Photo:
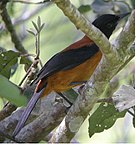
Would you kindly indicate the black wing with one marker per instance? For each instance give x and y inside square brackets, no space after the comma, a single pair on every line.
[66,60]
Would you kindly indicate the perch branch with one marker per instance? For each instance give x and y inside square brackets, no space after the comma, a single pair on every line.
[99,80]
[85,26]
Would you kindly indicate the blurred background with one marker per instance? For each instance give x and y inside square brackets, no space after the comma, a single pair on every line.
[57,34]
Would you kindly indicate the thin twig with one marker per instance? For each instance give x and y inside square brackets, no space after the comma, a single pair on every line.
[40,62]
[37,46]
[38,27]
[28,71]
[26,2]
[27,55]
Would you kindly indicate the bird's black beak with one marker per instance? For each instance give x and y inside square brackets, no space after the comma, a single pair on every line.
[121,16]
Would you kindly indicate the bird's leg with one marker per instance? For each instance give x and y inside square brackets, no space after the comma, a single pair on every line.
[81,89]
[65,98]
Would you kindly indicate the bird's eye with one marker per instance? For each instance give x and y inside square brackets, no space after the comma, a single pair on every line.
[109,25]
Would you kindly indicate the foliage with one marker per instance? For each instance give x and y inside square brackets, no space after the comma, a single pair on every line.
[84,8]
[57,28]
[8,62]
[11,92]
[103,118]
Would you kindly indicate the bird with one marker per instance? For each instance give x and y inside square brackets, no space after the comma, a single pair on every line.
[71,67]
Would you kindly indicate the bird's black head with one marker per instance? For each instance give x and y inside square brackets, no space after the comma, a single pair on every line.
[108,22]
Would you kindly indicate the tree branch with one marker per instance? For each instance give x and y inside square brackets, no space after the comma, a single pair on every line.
[7,110]
[84,25]
[45,117]
[124,40]
[42,125]
[10,27]
[99,80]
[8,23]
[91,92]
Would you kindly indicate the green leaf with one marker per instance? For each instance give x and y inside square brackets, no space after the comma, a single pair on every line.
[31,32]
[133,4]
[39,22]
[8,59]
[35,26]
[11,92]
[41,27]
[25,61]
[2,50]
[84,8]
[11,8]
[103,118]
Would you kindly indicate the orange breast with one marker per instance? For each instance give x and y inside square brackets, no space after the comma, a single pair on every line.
[60,81]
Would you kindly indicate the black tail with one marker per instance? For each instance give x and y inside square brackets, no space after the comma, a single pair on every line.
[26,112]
